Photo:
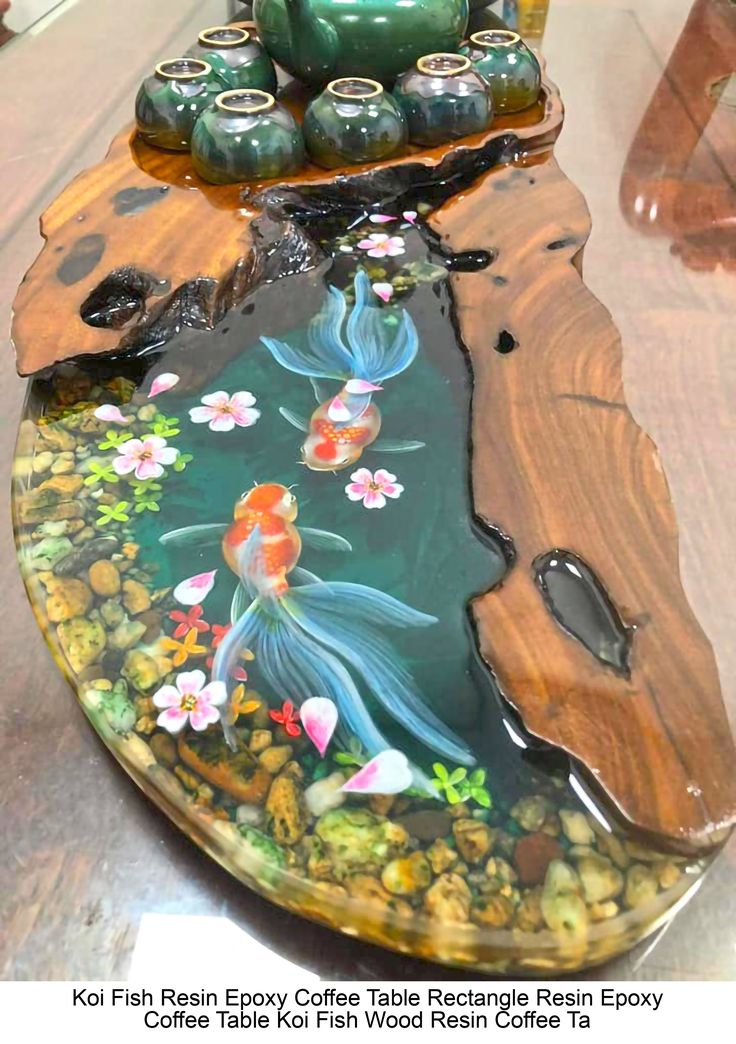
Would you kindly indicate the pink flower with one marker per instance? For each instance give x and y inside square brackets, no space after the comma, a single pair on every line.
[383,290]
[164,382]
[387,773]
[379,244]
[381,219]
[111,415]
[191,701]
[222,411]
[195,589]
[373,489]
[410,216]
[144,457]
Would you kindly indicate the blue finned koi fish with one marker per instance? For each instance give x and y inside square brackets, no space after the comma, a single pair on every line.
[312,639]
[362,352]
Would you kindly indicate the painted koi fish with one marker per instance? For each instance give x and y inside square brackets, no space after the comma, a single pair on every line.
[311,637]
[363,351]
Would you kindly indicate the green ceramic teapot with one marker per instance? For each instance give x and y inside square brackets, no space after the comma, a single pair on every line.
[320,40]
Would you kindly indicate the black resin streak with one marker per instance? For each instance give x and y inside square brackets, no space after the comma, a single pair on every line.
[580,604]
[560,244]
[119,298]
[499,280]
[470,261]
[82,259]
[134,200]
[506,343]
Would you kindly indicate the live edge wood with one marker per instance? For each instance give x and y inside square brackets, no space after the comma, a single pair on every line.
[557,460]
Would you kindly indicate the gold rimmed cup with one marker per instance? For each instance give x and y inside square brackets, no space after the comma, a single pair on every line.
[495,38]
[244,102]
[443,63]
[223,36]
[355,88]
[183,69]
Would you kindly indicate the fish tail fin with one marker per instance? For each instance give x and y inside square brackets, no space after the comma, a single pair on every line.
[346,620]
[383,342]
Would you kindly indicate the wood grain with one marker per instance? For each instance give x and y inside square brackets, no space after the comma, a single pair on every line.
[191,230]
[559,463]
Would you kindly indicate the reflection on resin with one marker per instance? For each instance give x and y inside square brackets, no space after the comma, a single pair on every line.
[578,601]
[282,654]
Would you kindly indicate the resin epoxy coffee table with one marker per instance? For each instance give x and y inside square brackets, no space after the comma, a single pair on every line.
[171,285]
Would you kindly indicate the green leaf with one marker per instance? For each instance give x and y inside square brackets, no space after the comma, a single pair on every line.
[114,439]
[458,775]
[440,771]
[453,797]
[482,797]
[478,778]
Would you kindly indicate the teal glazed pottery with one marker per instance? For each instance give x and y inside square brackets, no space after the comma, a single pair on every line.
[443,97]
[321,40]
[236,57]
[510,67]
[245,135]
[170,100]
[354,120]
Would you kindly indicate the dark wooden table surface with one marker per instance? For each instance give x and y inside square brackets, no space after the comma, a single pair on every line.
[650,138]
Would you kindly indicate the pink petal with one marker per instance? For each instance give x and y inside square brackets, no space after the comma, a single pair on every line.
[167,455]
[393,250]
[379,251]
[222,422]
[202,414]
[153,443]
[387,773]
[319,718]
[173,720]
[218,398]
[366,244]
[189,683]
[242,399]
[362,475]
[195,589]
[357,387]
[374,499]
[410,216]
[124,464]
[111,415]
[381,219]
[148,469]
[383,290]
[164,382]
[382,477]
[245,417]
[337,410]
[355,491]
[202,716]
[214,693]
[392,489]
[167,696]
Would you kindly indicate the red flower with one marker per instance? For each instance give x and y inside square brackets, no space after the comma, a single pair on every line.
[189,620]
[288,716]
[218,633]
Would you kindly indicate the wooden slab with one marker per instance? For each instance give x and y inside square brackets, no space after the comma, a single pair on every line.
[559,463]
[146,209]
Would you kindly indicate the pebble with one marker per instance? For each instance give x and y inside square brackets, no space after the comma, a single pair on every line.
[325,794]
[500,870]
[603,911]
[381,804]
[273,759]
[82,641]
[141,670]
[575,827]
[474,840]
[529,916]
[260,739]
[42,462]
[441,857]
[135,597]
[370,890]
[104,578]
[355,839]
[49,551]
[126,635]
[533,854]
[612,846]
[600,878]
[288,812]
[66,599]
[408,875]
[427,825]
[495,911]
[668,874]
[530,812]
[641,886]
[249,815]
[448,900]
[63,464]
